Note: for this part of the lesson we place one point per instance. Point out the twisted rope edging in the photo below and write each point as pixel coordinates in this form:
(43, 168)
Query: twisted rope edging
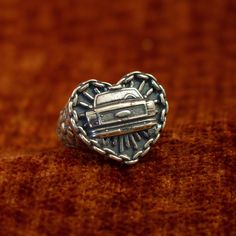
(69, 131)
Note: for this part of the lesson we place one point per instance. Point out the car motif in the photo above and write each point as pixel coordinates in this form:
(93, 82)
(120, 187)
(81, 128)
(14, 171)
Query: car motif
(120, 111)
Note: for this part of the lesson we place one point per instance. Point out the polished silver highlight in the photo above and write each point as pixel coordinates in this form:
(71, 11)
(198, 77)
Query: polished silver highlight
(120, 111)
(121, 121)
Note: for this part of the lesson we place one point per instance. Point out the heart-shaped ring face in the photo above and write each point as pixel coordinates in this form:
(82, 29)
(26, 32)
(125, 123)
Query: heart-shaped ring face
(120, 120)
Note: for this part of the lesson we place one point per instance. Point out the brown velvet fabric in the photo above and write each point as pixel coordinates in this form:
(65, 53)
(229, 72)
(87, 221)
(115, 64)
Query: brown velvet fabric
(186, 183)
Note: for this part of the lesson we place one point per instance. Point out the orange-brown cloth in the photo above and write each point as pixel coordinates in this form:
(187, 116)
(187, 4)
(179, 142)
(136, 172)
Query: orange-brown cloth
(186, 184)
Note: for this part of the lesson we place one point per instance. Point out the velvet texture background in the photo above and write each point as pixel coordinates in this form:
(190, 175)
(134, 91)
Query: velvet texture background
(185, 185)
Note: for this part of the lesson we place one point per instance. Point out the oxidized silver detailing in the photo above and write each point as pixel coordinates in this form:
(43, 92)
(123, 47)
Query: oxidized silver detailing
(121, 121)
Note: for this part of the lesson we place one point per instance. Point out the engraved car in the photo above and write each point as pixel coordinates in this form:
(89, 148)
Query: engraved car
(120, 111)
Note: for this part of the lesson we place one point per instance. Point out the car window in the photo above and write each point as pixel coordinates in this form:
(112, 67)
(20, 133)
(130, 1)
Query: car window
(117, 95)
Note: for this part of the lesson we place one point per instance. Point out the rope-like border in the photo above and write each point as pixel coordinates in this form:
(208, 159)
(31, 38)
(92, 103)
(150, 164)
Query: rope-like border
(69, 131)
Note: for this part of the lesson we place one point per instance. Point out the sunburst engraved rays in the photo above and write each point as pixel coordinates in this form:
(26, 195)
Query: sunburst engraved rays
(137, 136)
(87, 102)
(126, 141)
(87, 99)
(130, 83)
(96, 90)
(85, 105)
(132, 141)
(149, 92)
(121, 143)
(141, 86)
(87, 95)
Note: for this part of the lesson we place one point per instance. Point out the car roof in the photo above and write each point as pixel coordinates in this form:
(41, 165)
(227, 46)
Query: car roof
(122, 92)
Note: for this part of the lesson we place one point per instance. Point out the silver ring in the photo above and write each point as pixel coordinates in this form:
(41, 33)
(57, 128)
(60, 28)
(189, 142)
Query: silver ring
(120, 121)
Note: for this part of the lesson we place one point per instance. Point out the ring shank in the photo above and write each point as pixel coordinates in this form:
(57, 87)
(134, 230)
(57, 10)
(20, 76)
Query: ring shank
(65, 130)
